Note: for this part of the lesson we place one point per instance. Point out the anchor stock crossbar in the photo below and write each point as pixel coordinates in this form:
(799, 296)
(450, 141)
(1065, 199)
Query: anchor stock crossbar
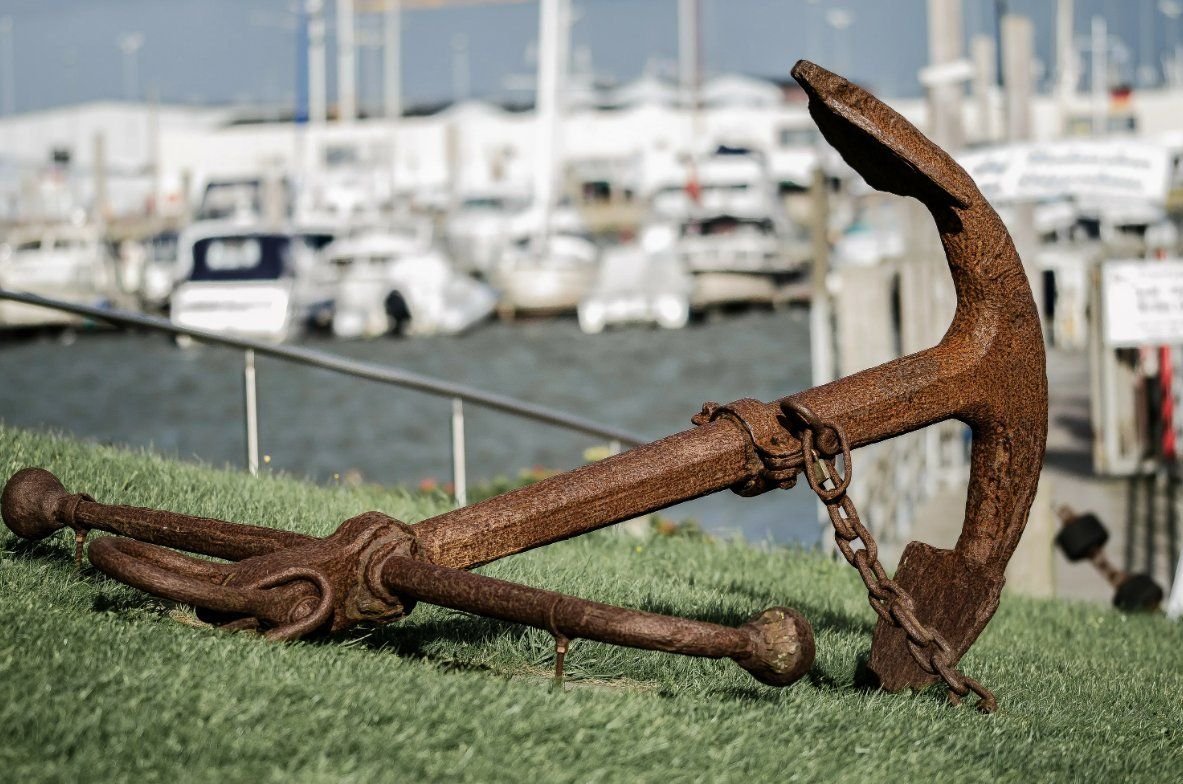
(988, 371)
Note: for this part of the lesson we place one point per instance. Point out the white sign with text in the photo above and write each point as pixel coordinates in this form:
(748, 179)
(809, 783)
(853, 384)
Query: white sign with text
(1143, 302)
(1081, 169)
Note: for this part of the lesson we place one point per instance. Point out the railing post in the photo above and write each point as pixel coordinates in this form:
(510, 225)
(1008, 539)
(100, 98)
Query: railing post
(459, 467)
(251, 413)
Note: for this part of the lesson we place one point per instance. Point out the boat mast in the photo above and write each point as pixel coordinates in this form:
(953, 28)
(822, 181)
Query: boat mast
(553, 32)
(1099, 40)
(690, 77)
(317, 103)
(346, 63)
(1067, 75)
(392, 82)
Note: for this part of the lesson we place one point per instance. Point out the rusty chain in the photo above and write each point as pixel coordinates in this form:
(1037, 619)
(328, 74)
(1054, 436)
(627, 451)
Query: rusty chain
(890, 602)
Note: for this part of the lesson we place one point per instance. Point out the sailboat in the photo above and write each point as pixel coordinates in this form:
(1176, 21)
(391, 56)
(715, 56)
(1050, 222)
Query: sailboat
(549, 263)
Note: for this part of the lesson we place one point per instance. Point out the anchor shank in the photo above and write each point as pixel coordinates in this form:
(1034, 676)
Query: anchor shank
(720, 454)
(677, 468)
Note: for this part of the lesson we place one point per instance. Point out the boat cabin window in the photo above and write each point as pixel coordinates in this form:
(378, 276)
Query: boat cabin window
(725, 187)
(798, 137)
(225, 199)
(260, 257)
(483, 203)
(1087, 228)
(315, 241)
(361, 263)
(28, 245)
(725, 224)
(163, 248)
(597, 191)
(342, 155)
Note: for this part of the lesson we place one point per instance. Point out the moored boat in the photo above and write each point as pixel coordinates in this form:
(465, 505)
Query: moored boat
(239, 278)
(390, 280)
(62, 261)
(638, 283)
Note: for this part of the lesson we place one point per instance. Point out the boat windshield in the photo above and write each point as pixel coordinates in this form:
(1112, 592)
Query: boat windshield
(247, 257)
(224, 199)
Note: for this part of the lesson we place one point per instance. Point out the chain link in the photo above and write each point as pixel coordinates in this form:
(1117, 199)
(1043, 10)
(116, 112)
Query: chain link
(890, 602)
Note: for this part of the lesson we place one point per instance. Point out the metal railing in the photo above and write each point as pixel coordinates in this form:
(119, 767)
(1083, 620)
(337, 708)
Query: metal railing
(458, 393)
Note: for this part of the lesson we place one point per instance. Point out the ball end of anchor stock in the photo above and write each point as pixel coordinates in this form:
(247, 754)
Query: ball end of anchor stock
(30, 501)
(782, 648)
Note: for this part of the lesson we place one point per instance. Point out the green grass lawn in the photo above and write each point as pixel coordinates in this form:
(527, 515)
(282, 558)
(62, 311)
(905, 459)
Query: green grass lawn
(100, 682)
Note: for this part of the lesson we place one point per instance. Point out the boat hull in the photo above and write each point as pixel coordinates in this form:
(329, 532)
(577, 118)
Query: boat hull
(18, 315)
(724, 288)
(537, 289)
(249, 309)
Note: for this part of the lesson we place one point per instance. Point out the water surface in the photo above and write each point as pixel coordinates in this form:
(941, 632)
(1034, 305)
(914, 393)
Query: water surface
(141, 390)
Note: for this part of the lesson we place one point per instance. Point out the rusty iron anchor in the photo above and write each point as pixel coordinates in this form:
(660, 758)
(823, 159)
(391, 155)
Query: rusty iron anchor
(988, 371)
(371, 569)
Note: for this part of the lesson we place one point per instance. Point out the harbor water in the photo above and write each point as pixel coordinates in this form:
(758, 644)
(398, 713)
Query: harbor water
(141, 390)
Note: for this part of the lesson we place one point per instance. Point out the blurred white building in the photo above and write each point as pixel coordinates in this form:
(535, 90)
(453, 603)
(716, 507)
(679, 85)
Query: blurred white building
(633, 136)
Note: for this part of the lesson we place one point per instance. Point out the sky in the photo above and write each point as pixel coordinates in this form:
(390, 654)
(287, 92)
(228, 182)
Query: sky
(243, 51)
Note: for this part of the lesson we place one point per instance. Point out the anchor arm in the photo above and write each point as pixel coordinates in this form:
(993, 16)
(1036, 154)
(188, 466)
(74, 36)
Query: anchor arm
(1001, 391)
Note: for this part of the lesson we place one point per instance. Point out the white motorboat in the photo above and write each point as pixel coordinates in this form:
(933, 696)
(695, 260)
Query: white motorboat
(239, 278)
(63, 261)
(159, 273)
(732, 243)
(639, 283)
(398, 281)
(477, 231)
(548, 274)
(549, 265)
(735, 236)
(734, 259)
(728, 181)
